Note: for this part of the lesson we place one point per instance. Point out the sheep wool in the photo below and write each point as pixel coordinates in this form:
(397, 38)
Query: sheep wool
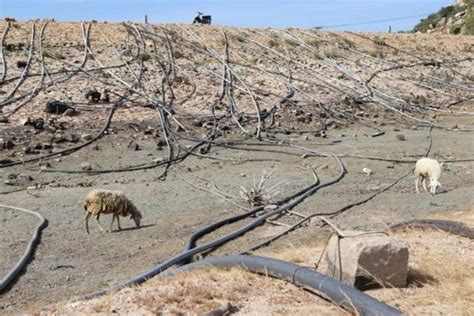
(99, 202)
(428, 168)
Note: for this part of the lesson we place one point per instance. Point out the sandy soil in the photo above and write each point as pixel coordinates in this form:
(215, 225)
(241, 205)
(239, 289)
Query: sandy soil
(68, 262)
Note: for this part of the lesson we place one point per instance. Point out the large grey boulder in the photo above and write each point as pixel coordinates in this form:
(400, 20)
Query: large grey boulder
(360, 259)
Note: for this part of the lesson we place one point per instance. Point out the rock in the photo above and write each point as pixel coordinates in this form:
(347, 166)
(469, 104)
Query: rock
(159, 144)
(135, 127)
(86, 137)
(45, 165)
(149, 130)
(6, 144)
(56, 107)
(24, 180)
(367, 171)
(70, 112)
(366, 258)
(86, 166)
(37, 124)
(301, 119)
(270, 208)
(31, 149)
(321, 134)
(72, 138)
(197, 123)
(400, 137)
(58, 138)
(25, 121)
(21, 64)
(95, 147)
(12, 176)
(133, 145)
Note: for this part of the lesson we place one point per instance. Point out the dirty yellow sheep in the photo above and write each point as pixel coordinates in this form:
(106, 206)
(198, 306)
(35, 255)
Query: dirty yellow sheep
(99, 202)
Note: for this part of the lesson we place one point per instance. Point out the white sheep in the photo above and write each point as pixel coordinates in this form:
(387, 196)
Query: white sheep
(99, 202)
(428, 168)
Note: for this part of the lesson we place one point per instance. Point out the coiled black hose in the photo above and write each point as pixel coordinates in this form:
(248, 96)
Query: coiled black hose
(339, 293)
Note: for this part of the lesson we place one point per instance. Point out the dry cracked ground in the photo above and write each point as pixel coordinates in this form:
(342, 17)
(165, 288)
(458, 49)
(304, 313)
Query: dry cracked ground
(195, 113)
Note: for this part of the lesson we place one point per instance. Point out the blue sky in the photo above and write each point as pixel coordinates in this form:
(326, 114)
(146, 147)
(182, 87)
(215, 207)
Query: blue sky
(257, 13)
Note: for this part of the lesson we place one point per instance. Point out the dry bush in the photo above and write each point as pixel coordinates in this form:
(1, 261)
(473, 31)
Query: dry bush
(260, 193)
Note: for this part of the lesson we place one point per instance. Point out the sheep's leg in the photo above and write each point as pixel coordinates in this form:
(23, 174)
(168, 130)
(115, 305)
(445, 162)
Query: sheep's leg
(87, 222)
(112, 224)
(416, 184)
(118, 222)
(98, 223)
(424, 184)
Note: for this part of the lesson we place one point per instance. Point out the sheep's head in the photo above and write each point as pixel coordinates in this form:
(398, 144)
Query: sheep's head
(136, 216)
(433, 185)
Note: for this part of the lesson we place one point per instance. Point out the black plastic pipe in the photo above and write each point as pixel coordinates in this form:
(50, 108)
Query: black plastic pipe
(339, 293)
(452, 227)
(25, 258)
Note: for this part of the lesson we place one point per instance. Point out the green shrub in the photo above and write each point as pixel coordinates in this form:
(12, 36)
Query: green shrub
(455, 29)
(144, 57)
(433, 19)
(469, 24)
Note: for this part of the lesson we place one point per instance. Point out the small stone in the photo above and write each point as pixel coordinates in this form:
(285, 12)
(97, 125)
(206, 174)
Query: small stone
(24, 179)
(367, 171)
(30, 150)
(86, 137)
(270, 208)
(158, 160)
(70, 112)
(149, 130)
(72, 138)
(58, 138)
(45, 165)
(321, 134)
(400, 137)
(86, 166)
(25, 121)
(133, 145)
(8, 144)
(197, 123)
(12, 176)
